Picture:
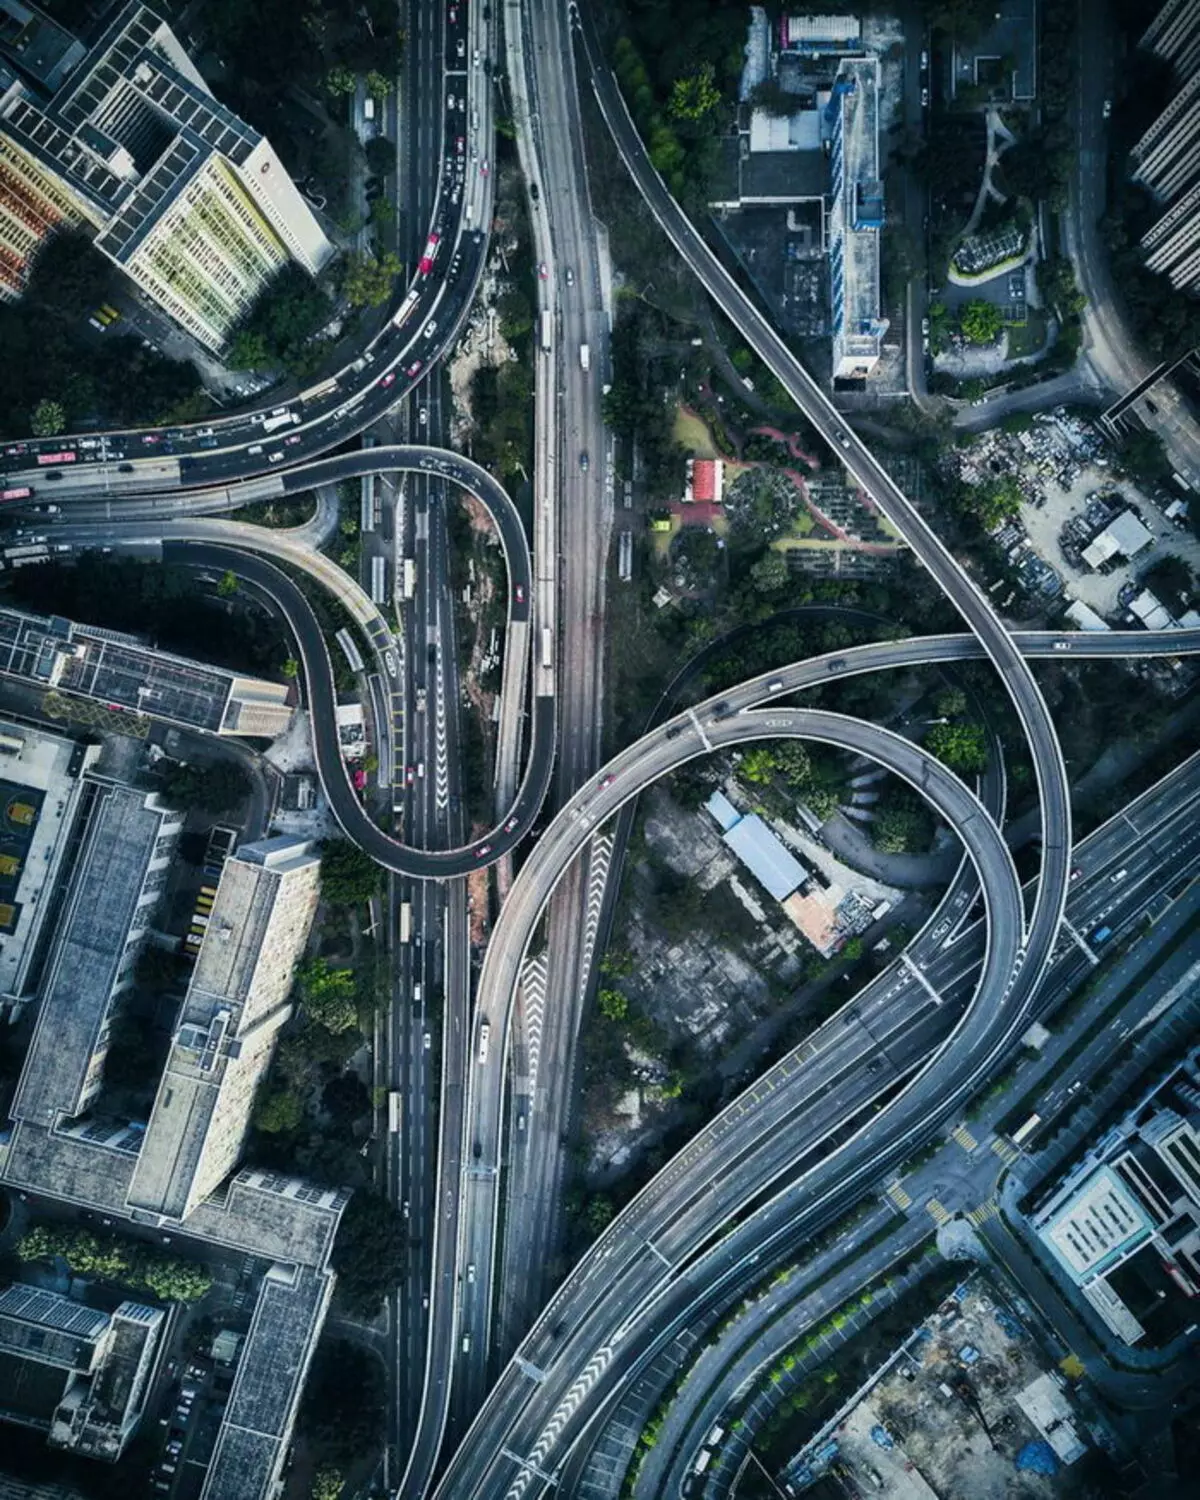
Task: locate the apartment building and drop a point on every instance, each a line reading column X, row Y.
column 125, row 139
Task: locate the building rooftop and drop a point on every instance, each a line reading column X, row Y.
column 256, row 1426
column 235, row 1002
column 1085, row 616
column 256, row 1213
column 50, row 1329
column 37, row 45
column 39, row 772
column 107, row 885
column 723, row 811
column 777, row 870
column 125, row 672
column 819, row 33
column 816, row 917
column 856, row 217
column 1151, row 611
column 1097, row 1224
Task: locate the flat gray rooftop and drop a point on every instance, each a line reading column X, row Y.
column 106, row 886
column 274, row 1360
column 113, row 668
column 259, row 1213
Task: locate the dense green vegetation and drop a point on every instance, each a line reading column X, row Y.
column 348, row 876
column 216, row 788
column 279, row 331
column 110, row 1257
column 341, row 1414
column 678, row 66
column 57, row 367
column 368, row 1253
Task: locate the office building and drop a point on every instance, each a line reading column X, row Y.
column 1124, row 1225
column 126, row 843
column 236, row 1002
column 106, row 1359
column 127, row 141
column 855, row 219
column 125, row 673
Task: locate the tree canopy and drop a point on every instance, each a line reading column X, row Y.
column 348, row 876
column 981, row 322
column 368, row 1253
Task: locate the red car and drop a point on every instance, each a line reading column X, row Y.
column 543, row 270
column 410, row 775
column 483, row 167
column 511, row 824
column 607, row 782
column 414, row 368
column 152, row 437
column 387, row 379
column 483, row 851
column 294, row 439
column 460, row 145
column 519, row 593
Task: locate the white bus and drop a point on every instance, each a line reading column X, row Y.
column 406, row 921
column 394, row 1111
column 349, row 649
column 409, row 578
column 379, row 580
column 547, row 647
column 547, row 333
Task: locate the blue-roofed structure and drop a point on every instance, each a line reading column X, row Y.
column 777, row 870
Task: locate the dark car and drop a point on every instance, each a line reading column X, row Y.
column 584, row 462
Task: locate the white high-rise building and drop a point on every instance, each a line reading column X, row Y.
column 125, row 138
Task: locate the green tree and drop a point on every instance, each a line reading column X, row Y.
column 290, row 667
column 278, row 1112
column 613, row 1005
column 951, row 702
column 381, row 156
column 228, row 584
column 378, row 87
column 248, row 351
column 216, row 788
column 368, row 1253
column 328, row 994
column 348, row 876
column 367, row 280
column 340, row 81
column 962, row 747
column 770, row 573
column 598, row 1214
column 695, row 95
column 176, row 1280
column 47, row 419
column 980, row 322
column 327, row 1484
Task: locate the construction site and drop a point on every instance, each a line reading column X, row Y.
column 967, row 1405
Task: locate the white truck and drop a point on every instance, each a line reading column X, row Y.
column 585, row 357
column 279, row 419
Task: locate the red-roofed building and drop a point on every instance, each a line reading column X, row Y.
column 705, row 480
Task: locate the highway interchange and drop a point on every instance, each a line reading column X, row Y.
column 817, row 1131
